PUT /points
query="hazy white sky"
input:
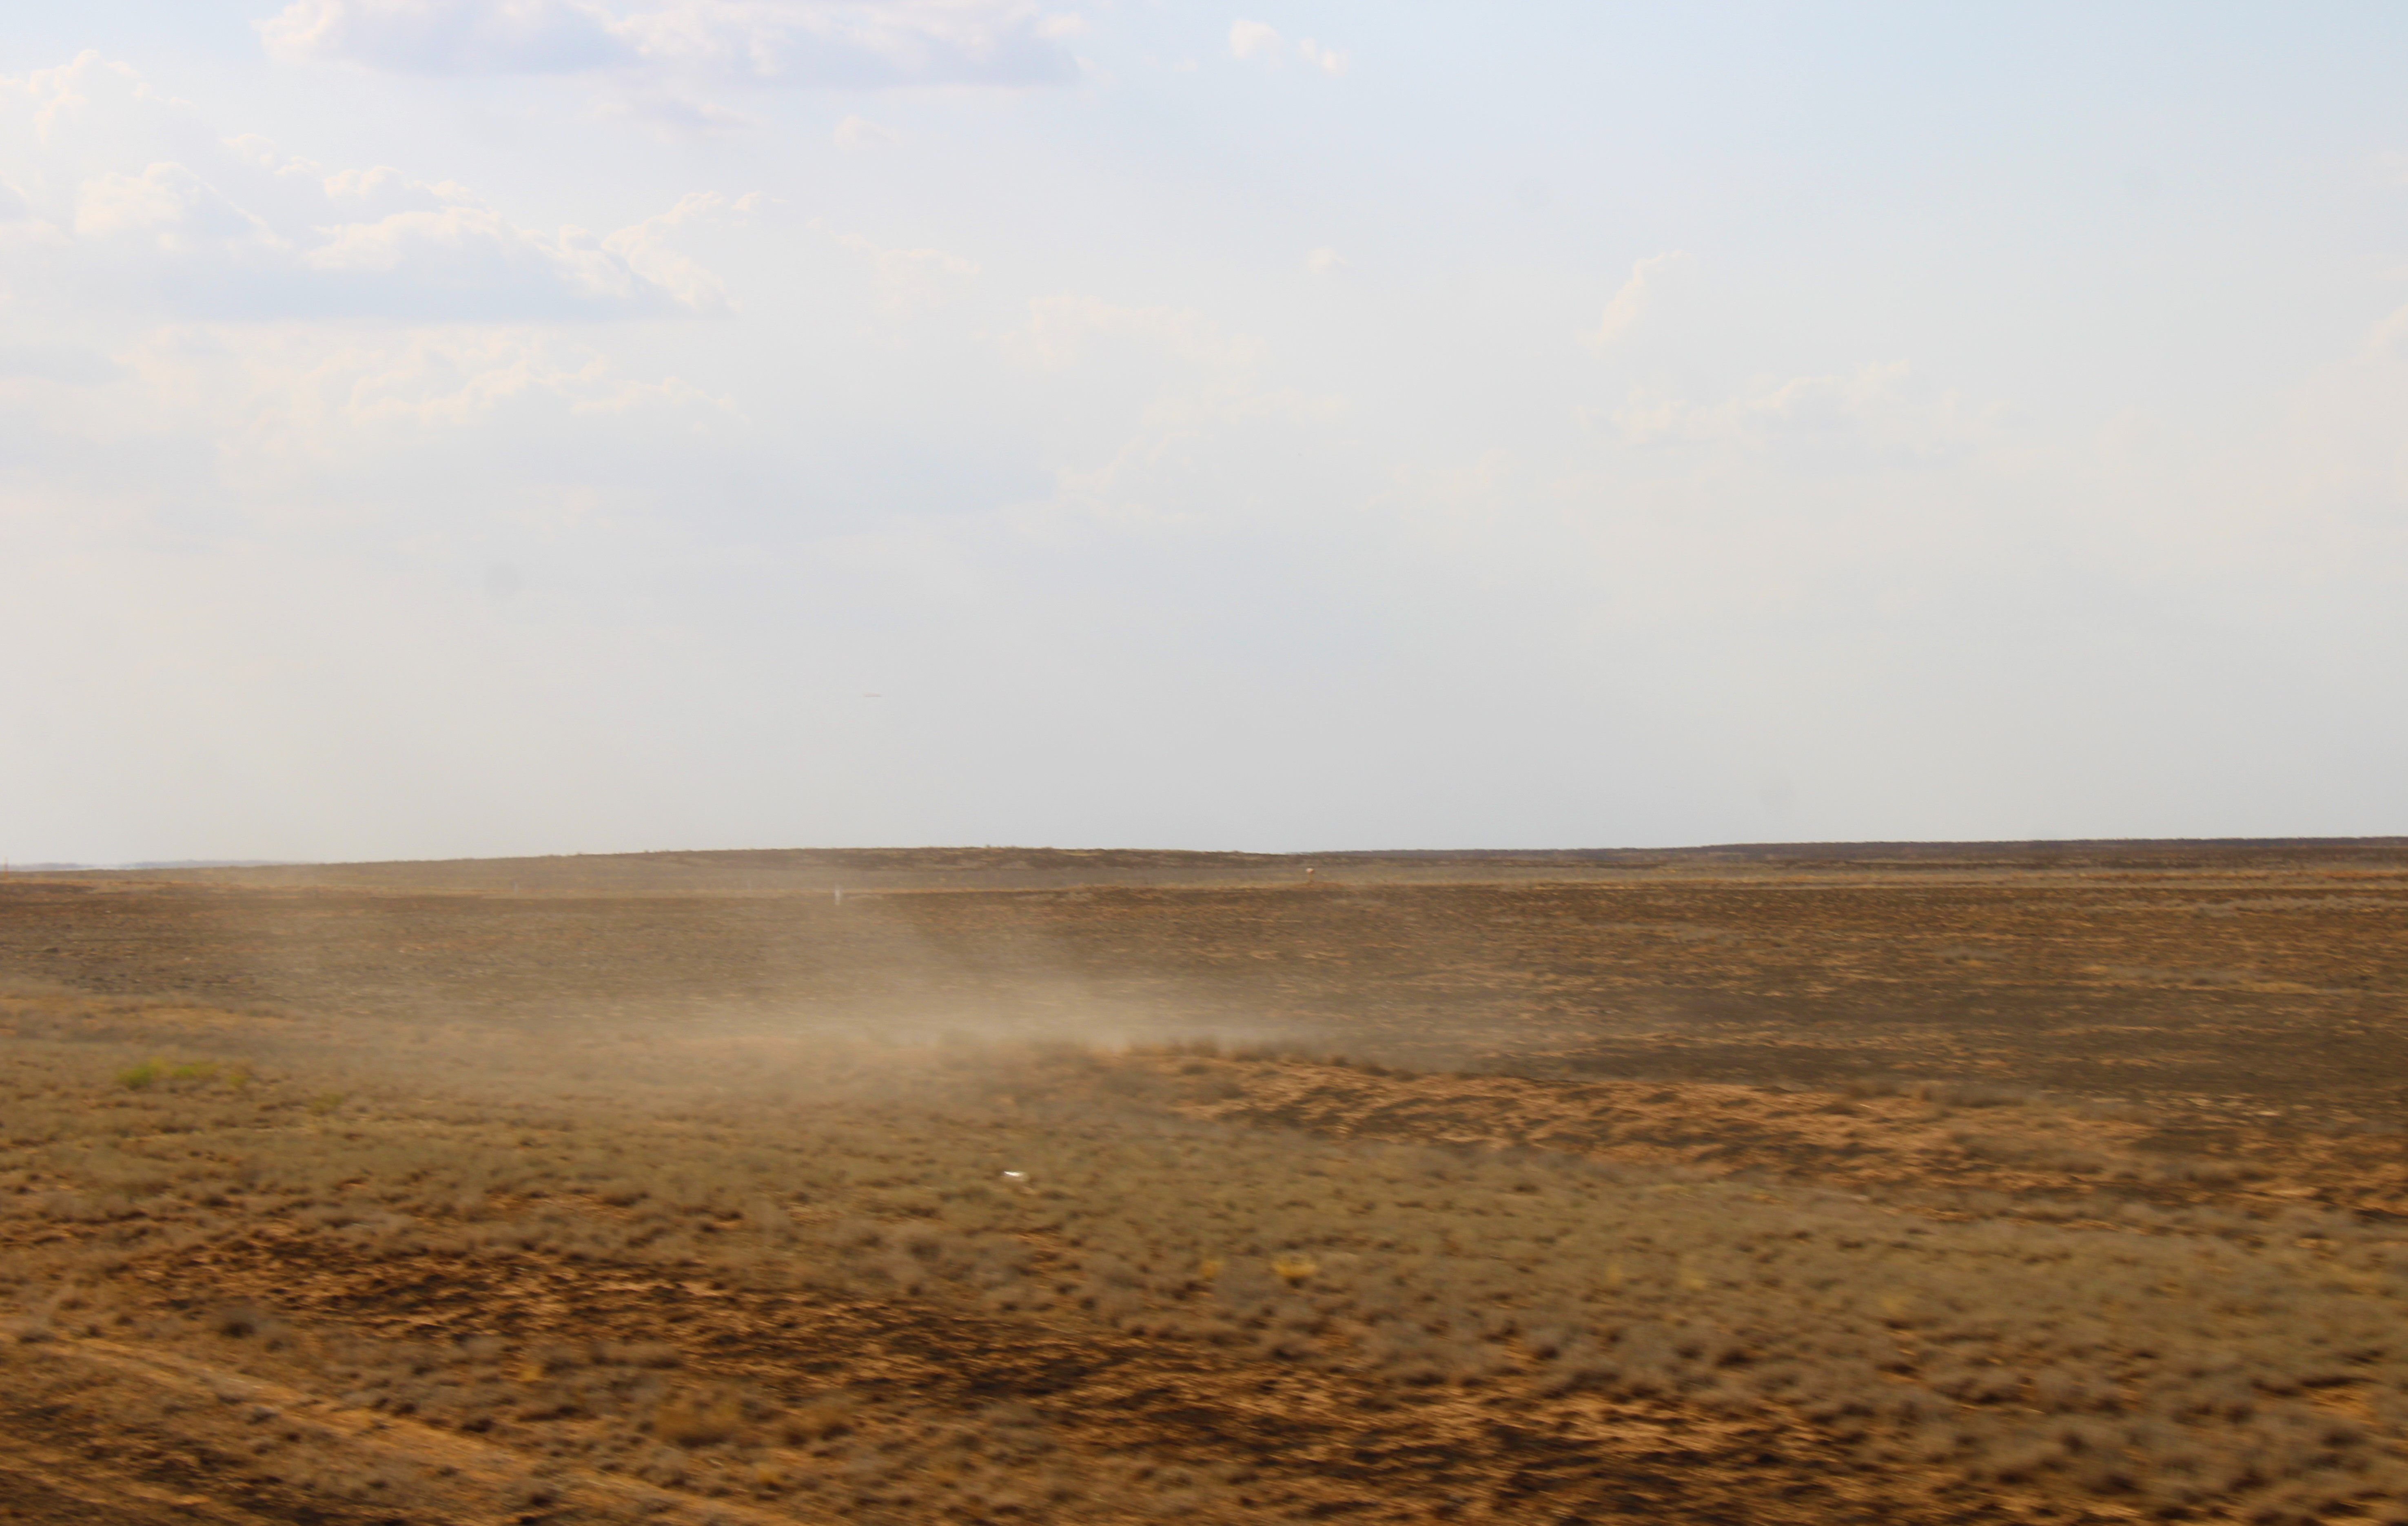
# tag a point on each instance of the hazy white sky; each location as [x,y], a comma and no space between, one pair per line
[432,427]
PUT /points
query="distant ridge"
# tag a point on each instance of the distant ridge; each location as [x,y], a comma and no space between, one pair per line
[2058,846]
[821,870]
[148,864]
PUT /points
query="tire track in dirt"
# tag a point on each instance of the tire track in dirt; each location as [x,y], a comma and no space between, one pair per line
[1324,1444]
[469,1465]
[64,1488]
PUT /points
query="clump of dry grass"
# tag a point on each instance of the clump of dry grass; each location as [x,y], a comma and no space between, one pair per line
[144,1075]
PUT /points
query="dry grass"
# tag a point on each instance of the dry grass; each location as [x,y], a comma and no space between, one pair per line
[743,1262]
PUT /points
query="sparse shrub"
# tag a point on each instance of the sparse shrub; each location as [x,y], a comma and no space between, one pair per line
[146,1074]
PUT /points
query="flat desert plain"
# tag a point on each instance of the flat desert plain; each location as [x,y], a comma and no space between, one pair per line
[2003,1183]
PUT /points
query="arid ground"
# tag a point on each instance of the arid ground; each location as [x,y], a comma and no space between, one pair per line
[1997,1183]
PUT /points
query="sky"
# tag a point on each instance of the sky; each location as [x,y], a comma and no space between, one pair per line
[477,427]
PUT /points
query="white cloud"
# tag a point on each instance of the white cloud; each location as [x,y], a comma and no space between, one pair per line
[1252,39]
[1327,60]
[678,111]
[912,279]
[1061,331]
[172,210]
[2389,336]
[1260,40]
[861,132]
[1636,295]
[269,395]
[1879,408]
[312,395]
[137,203]
[842,44]
[646,251]
[447,36]
[1324,261]
[51,94]
[2343,438]
[1199,459]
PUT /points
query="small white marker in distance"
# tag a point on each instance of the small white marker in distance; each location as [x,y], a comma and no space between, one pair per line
[1016,1175]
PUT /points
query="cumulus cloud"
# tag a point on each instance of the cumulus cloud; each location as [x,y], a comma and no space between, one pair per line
[1324,261]
[171,209]
[842,44]
[1327,60]
[1252,39]
[1631,301]
[137,202]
